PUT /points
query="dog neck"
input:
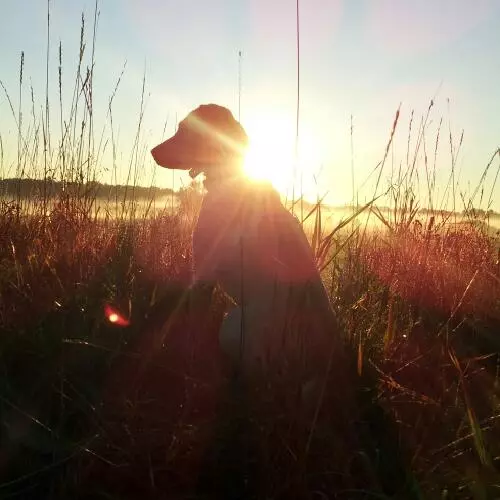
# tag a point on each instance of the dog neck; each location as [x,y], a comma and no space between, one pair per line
[222,176]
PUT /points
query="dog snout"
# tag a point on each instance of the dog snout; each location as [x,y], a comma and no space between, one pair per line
[165,155]
[155,152]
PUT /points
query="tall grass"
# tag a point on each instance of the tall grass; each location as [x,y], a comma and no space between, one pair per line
[90,408]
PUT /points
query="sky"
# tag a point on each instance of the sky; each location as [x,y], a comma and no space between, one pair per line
[358,58]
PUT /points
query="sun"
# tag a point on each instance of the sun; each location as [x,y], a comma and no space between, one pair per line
[271,156]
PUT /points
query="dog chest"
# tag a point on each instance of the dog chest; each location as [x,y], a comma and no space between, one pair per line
[248,242]
[225,241]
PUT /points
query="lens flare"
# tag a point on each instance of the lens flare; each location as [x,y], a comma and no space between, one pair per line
[113,316]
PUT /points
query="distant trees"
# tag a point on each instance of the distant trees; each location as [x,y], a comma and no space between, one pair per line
[32,188]
[479,213]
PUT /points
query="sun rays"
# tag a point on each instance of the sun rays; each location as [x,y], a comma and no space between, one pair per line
[271,156]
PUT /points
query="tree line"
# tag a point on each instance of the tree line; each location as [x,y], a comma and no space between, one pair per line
[33,188]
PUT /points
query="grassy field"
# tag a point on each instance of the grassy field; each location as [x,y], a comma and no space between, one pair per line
[94,408]
[91,408]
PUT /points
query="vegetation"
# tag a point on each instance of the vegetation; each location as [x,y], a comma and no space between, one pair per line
[13,189]
[97,409]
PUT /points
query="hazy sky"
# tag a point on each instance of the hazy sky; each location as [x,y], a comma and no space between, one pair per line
[359,57]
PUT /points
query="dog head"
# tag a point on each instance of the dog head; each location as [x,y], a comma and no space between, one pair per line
[208,140]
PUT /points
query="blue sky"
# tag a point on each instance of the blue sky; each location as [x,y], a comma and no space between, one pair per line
[358,57]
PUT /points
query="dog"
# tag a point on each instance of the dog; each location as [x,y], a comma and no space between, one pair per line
[250,245]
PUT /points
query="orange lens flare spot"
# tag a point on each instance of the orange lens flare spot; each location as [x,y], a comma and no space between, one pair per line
[113,316]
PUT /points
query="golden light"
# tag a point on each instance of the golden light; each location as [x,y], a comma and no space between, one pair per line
[271,156]
[113,317]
